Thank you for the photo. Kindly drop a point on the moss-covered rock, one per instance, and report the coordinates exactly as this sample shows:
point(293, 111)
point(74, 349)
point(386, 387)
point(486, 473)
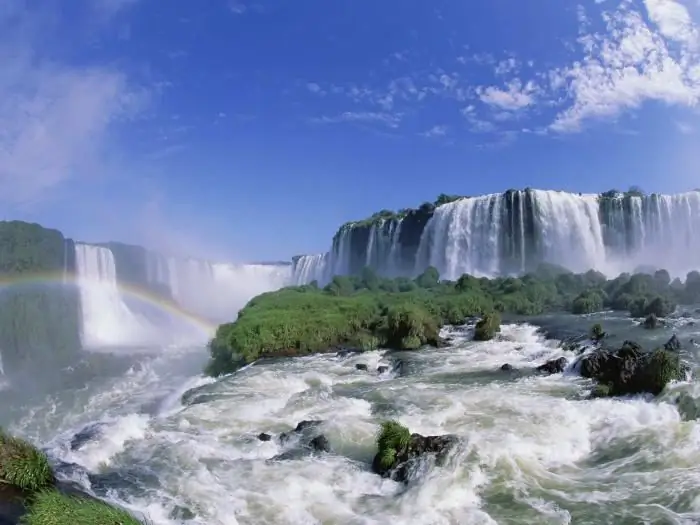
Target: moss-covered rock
point(399, 451)
point(487, 327)
point(597, 333)
point(630, 370)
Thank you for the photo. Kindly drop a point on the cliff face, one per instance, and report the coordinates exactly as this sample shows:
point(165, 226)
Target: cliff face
point(39, 314)
point(514, 231)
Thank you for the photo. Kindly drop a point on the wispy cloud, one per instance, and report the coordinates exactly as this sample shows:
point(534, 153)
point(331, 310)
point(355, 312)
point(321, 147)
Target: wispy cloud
point(515, 95)
point(435, 131)
point(56, 118)
point(390, 120)
point(685, 128)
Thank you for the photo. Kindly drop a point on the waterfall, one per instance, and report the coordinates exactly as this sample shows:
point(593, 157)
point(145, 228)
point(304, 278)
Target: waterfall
point(215, 291)
point(308, 268)
point(106, 318)
point(511, 233)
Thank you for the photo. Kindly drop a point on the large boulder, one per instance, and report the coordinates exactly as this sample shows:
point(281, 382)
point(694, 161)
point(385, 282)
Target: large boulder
point(630, 370)
point(401, 452)
point(553, 366)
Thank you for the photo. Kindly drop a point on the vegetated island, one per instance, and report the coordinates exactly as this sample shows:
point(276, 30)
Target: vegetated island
point(367, 312)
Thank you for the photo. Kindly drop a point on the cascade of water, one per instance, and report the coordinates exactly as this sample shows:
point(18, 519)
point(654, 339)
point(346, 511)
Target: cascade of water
point(308, 268)
point(106, 318)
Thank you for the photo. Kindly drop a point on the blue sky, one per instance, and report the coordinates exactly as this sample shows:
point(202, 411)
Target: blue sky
point(251, 129)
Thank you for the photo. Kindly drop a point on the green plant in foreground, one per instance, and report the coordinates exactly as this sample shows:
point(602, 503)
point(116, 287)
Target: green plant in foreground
point(392, 439)
point(51, 507)
point(22, 465)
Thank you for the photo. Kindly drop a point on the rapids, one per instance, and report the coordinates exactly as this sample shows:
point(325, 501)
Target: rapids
point(533, 449)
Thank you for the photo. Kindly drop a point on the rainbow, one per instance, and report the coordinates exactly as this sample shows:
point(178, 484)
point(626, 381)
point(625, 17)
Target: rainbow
point(163, 304)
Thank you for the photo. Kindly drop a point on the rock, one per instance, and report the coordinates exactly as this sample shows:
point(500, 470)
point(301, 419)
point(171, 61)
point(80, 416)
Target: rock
point(303, 427)
point(264, 436)
point(407, 459)
point(651, 322)
point(507, 368)
point(554, 366)
point(487, 327)
point(673, 344)
point(382, 369)
point(630, 370)
point(87, 434)
point(361, 366)
point(320, 443)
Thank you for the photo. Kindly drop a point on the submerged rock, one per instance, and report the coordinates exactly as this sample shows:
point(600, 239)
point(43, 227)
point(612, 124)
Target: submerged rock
point(263, 436)
point(630, 370)
point(320, 444)
point(382, 369)
point(507, 368)
point(87, 434)
point(554, 366)
point(361, 366)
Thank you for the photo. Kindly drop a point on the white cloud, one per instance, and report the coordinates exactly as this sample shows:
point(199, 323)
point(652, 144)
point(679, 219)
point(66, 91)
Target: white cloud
point(515, 96)
point(391, 120)
point(673, 20)
point(623, 69)
point(435, 131)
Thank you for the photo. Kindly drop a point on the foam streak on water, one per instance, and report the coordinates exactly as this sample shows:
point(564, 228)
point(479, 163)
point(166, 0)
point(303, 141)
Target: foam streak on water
point(532, 449)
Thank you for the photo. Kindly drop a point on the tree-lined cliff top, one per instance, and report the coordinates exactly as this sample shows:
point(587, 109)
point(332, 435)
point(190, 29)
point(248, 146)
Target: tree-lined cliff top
point(369, 312)
point(429, 207)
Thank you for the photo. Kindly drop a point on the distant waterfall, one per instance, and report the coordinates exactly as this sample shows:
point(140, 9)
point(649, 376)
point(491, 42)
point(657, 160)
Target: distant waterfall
point(511, 233)
point(308, 268)
point(107, 320)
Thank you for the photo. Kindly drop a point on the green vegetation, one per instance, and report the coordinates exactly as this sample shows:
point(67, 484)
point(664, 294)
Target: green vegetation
point(54, 508)
point(37, 320)
point(487, 327)
point(597, 333)
point(22, 465)
point(368, 312)
point(25, 468)
point(393, 438)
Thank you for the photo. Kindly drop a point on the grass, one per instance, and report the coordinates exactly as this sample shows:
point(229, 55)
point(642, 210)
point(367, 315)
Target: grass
point(22, 465)
point(51, 507)
point(392, 439)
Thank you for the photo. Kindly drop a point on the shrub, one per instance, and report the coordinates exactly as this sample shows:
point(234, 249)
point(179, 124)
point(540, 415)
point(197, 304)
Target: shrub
point(23, 465)
point(54, 508)
point(487, 327)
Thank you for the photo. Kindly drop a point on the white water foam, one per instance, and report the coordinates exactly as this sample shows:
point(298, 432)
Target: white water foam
point(532, 450)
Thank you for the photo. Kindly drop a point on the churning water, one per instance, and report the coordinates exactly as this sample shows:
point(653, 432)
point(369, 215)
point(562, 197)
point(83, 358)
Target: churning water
point(533, 449)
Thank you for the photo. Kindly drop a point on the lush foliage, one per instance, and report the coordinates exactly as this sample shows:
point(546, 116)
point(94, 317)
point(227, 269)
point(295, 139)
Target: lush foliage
point(22, 465)
point(392, 439)
point(367, 311)
point(54, 508)
point(37, 320)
